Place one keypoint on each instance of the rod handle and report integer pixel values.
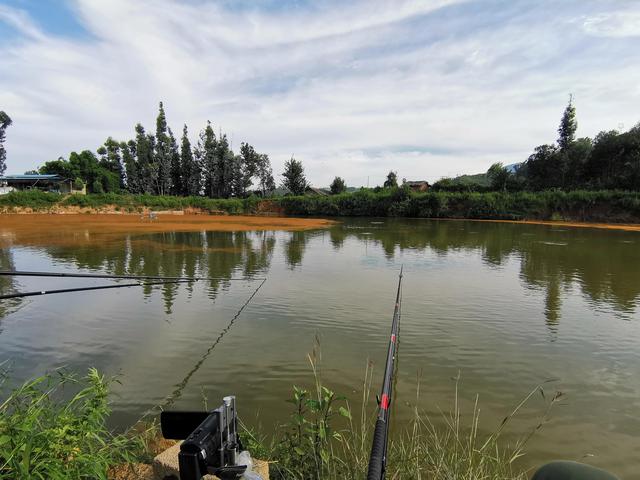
(376, 460)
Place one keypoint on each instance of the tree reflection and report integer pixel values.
(602, 263)
(7, 284)
(219, 256)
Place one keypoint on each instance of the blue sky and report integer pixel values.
(428, 88)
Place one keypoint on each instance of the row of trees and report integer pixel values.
(156, 164)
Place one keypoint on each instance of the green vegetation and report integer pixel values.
(154, 164)
(43, 435)
(43, 201)
(605, 206)
(608, 206)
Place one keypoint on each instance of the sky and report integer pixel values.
(429, 88)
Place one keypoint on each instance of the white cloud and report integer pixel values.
(428, 88)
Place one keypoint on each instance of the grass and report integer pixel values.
(45, 436)
(326, 438)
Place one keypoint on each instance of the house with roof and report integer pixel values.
(46, 183)
(417, 185)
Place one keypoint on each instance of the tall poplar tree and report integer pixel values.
(131, 166)
(144, 154)
(176, 171)
(209, 157)
(5, 121)
(568, 126)
(162, 154)
(191, 183)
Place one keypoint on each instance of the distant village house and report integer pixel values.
(418, 185)
(46, 183)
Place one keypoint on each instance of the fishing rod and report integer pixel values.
(378, 458)
(84, 289)
(22, 273)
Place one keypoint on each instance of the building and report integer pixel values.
(47, 183)
(418, 185)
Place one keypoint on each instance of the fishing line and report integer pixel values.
(177, 393)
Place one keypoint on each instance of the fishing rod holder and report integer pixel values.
(211, 442)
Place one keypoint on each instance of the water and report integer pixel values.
(505, 306)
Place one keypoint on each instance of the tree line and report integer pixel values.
(156, 164)
(610, 161)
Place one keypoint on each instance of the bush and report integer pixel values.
(42, 435)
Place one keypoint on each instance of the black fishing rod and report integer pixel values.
(378, 458)
(84, 289)
(22, 273)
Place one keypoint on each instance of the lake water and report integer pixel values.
(506, 306)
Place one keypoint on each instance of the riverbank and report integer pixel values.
(601, 209)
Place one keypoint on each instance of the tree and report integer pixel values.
(110, 158)
(5, 121)
(191, 174)
(264, 172)
(338, 186)
(294, 179)
(207, 154)
(144, 145)
(392, 180)
(177, 186)
(568, 126)
(541, 168)
(224, 168)
(162, 155)
(498, 176)
(131, 168)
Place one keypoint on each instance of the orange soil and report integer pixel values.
(46, 229)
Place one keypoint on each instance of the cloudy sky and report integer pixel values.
(429, 88)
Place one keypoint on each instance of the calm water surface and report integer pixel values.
(506, 306)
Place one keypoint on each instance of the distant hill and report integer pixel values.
(481, 178)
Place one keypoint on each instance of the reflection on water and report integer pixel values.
(508, 305)
(7, 285)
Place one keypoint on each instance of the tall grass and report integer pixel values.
(45, 435)
(327, 439)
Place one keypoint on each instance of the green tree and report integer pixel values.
(111, 159)
(162, 154)
(392, 180)
(223, 165)
(207, 154)
(338, 186)
(568, 126)
(5, 121)
(191, 174)
(294, 179)
(133, 180)
(144, 145)
(498, 176)
(177, 184)
(264, 172)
